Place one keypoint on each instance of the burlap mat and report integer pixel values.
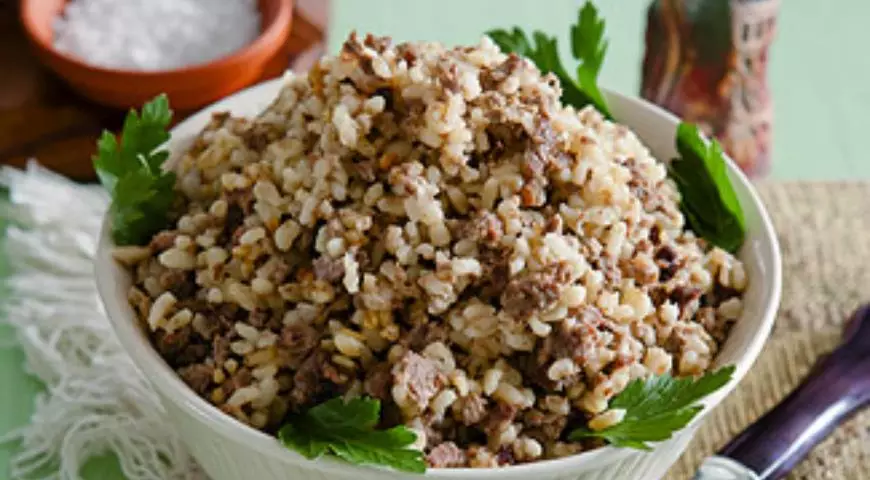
(824, 231)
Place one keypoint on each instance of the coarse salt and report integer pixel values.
(155, 34)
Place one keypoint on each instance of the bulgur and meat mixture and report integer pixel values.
(433, 228)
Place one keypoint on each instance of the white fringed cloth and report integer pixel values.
(95, 400)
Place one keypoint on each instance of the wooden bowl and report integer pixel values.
(188, 88)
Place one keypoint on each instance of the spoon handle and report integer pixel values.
(836, 387)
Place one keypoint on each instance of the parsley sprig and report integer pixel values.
(347, 430)
(132, 172)
(708, 201)
(656, 407)
(588, 45)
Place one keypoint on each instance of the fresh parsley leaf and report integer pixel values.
(587, 38)
(587, 45)
(708, 200)
(656, 407)
(296, 437)
(511, 41)
(132, 172)
(347, 430)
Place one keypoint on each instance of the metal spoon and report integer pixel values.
(837, 386)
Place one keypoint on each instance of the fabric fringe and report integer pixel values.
(95, 401)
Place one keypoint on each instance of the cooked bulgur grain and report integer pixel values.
(433, 228)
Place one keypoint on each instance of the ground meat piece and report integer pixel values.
(666, 259)
(140, 301)
(682, 339)
(170, 345)
(533, 193)
(378, 44)
(533, 292)
(242, 378)
(407, 53)
(220, 349)
(545, 427)
(192, 353)
(422, 335)
(446, 455)
(420, 377)
(485, 228)
(642, 272)
(378, 381)
(387, 95)
(683, 296)
(163, 241)
(470, 409)
(449, 77)
(496, 270)
(328, 269)
(404, 180)
(554, 224)
(217, 120)
(197, 376)
(490, 79)
(391, 415)
(436, 432)
(259, 318)
(182, 284)
(609, 267)
(354, 50)
(309, 381)
(362, 260)
(259, 135)
(643, 246)
(542, 153)
(334, 375)
(365, 169)
(239, 204)
(574, 339)
(717, 327)
(243, 198)
(279, 274)
(658, 295)
(505, 456)
(499, 417)
(235, 217)
(196, 305)
(227, 313)
(666, 254)
(298, 340)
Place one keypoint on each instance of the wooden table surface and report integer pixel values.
(41, 117)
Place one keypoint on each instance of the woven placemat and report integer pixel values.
(824, 232)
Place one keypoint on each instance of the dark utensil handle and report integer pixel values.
(837, 386)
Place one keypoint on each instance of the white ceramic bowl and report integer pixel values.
(229, 450)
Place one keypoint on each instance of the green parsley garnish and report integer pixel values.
(132, 172)
(347, 430)
(656, 407)
(708, 201)
(588, 45)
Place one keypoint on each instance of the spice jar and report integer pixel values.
(706, 61)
